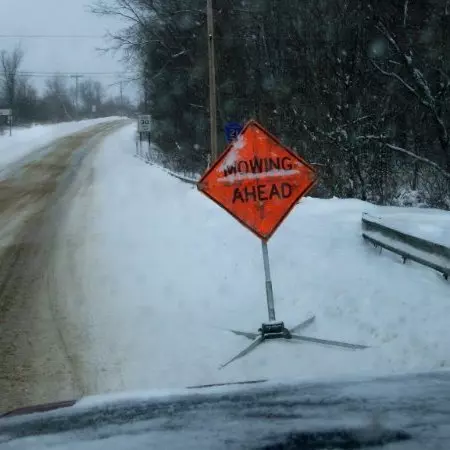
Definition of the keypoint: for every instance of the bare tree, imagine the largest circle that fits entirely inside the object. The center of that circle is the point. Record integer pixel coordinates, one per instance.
(91, 93)
(10, 63)
(57, 99)
(26, 101)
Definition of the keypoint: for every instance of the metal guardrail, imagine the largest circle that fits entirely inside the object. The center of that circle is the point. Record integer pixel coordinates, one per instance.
(422, 251)
(183, 178)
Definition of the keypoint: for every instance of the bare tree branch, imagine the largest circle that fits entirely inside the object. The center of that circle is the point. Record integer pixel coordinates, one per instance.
(405, 13)
(122, 9)
(419, 158)
(402, 81)
(382, 140)
(425, 96)
(10, 64)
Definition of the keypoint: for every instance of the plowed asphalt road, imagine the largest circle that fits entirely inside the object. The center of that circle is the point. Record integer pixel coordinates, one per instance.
(35, 195)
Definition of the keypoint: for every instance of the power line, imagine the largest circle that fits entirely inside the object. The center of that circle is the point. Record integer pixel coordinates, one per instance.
(29, 73)
(251, 35)
(52, 36)
(36, 72)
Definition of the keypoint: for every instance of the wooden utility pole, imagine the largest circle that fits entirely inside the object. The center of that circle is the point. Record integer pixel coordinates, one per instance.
(212, 82)
(77, 77)
(121, 98)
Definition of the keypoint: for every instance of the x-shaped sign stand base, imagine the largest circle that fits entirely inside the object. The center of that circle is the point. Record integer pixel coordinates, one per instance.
(277, 330)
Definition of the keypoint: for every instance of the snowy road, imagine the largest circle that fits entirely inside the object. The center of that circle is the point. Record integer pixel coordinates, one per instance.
(132, 278)
(35, 194)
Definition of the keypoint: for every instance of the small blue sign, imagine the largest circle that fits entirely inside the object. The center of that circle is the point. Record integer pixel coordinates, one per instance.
(232, 131)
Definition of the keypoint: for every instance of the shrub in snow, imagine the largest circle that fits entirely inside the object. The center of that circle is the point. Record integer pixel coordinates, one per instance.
(410, 197)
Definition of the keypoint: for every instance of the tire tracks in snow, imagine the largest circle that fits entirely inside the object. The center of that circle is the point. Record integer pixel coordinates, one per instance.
(35, 358)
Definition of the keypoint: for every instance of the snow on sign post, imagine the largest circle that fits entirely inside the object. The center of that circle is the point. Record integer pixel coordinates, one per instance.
(258, 181)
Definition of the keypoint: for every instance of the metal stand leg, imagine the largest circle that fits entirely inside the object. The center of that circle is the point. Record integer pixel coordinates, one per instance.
(245, 334)
(244, 352)
(303, 325)
(328, 342)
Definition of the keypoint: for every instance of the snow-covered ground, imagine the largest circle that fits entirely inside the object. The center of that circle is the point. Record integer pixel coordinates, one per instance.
(24, 140)
(161, 273)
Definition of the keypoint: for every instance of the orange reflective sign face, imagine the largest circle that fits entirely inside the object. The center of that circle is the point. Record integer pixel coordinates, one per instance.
(258, 180)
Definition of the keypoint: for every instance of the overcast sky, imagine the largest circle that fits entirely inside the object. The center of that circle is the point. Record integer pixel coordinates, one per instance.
(60, 17)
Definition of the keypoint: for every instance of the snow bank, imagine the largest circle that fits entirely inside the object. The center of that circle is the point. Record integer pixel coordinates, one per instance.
(25, 140)
(430, 224)
(165, 272)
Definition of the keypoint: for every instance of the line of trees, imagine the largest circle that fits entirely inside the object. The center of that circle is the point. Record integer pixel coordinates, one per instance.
(362, 89)
(60, 100)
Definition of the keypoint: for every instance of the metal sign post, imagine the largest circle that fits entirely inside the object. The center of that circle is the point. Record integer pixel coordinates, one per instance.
(258, 181)
(269, 290)
(9, 118)
(138, 138)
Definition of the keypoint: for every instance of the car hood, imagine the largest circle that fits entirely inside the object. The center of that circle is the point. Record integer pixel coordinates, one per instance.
(398, 412)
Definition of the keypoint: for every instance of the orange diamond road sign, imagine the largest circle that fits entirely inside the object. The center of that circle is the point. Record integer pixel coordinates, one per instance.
(258, 180)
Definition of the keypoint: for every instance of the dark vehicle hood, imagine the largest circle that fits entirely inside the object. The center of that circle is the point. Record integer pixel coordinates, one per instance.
(401, 412)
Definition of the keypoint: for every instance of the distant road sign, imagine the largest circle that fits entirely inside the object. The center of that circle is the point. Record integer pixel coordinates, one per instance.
(5, 112)
(232, 130)
(144, 124)
(258, 180)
